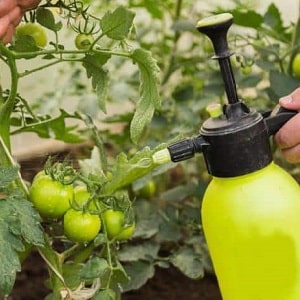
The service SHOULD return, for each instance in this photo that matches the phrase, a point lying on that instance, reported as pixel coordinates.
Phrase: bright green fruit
(296, 65)
(81, 227)
(148, 190)
(34, 30)
(81, 197)
(114, 223)
(83, 41)
(50, 197)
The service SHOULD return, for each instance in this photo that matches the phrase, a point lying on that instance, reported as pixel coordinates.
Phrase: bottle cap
(214, 110)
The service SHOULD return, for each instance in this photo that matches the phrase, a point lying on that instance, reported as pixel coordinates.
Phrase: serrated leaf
(18, 222)
(46, 18)
(139, 272)
(127, 171)
(149, 92)
(188, 262)
(248, 18)
(117, 24)
(7, 175)
(94, 268)
(27, 219)
(94, 68)
(143, 251)
(48, 127)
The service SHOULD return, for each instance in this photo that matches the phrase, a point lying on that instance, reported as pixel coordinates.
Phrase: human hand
(11, 13)
(288, 137)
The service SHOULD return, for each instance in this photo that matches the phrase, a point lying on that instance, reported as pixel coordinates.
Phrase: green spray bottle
(251, 208)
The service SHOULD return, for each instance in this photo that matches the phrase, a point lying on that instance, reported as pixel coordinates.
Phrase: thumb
(291, 101)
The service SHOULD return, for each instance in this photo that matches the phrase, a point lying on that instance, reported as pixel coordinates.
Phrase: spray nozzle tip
(161, 157)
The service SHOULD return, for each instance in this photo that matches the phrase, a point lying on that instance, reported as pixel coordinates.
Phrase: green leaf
(149, 92)
(94, 268)
(273, 19)
(107, 294)
(93, 63)
(188, 262)
(139, 272)
(7, 175)
(18, 222)
(127, 171)
(247, 18)
(282, 84)
(46, 18)
(117, 24)
(26, 43)
(143, 251)
(26, 219)
(48, 127)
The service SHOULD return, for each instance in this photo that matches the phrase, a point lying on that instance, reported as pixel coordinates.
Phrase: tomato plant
(160, 88)
(296, 65)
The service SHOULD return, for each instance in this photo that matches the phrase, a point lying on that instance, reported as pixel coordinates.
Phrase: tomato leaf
(139, 273)
(94, 268)
(94, 69)
(143, 251)
(188, 262)
(117, 24)
(19, 222)
(48, 127)
(45, 17)
(107, 294)
(149, 92)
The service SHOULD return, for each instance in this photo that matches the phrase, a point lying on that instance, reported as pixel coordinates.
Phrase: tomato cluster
(81, 220)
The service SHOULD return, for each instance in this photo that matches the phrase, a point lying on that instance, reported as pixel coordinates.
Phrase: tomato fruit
(81, 227)
(50, 197)
(148, 190)
(114, 223)
(83, 41)
(81, 198)
(126, 233)
(34, 30)
(296, 65)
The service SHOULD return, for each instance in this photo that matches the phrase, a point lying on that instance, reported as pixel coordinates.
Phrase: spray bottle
(251, 209)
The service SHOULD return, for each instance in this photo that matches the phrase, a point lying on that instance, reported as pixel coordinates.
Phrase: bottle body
(252, 227)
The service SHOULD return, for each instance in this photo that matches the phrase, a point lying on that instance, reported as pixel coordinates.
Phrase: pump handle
(276, 118)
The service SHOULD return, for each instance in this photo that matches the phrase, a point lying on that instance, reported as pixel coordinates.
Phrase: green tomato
(148, 190)
(50, 197)
(114, 224)
(34, 30)
(296, 65)
(81, 197)
(246, 70)
(83, 41)
(81, 227)
(126, 233)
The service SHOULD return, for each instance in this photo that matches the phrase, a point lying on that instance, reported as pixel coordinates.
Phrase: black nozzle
(186, 148)
(216, 28)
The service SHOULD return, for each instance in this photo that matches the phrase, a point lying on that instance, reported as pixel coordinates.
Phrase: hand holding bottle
(11, 13)
(288, 137)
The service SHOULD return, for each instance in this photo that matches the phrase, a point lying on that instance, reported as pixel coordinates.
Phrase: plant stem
(171, 63)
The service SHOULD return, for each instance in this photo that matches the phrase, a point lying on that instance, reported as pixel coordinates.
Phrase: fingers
(291, 101)
(288, 137)
(289, 134)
